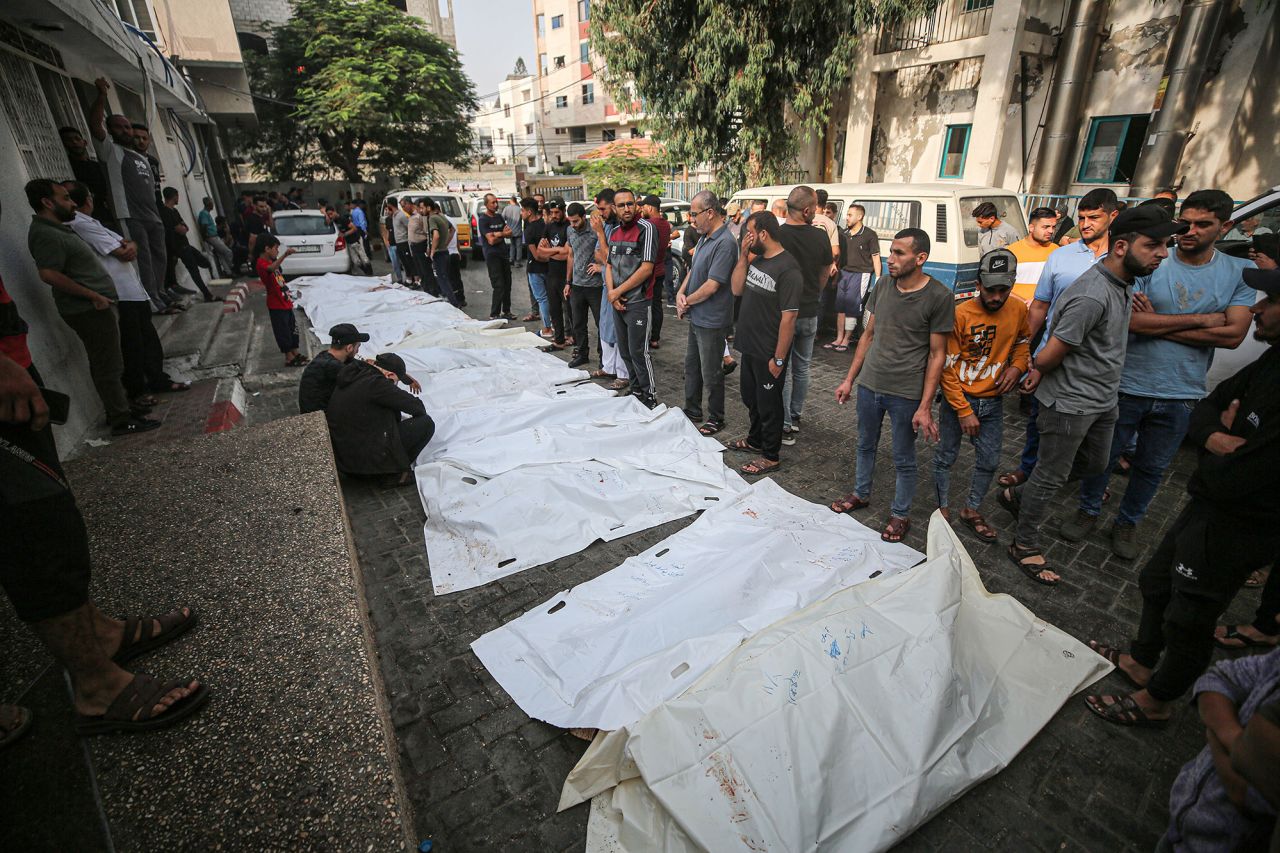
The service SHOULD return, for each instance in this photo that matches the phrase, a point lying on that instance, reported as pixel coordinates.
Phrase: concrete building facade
(50, 54)
(578, 115)
(1055, 98)
(507, 130)
(254, 18)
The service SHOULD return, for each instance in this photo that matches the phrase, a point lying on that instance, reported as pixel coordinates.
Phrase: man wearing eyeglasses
(628, 281)
(706, 297)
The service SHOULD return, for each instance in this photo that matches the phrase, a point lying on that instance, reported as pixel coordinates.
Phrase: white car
(318, 246)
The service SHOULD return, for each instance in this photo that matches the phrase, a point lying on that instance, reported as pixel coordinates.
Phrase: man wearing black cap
(321, 375)
(369, 437)
(1230, 527)
(1076, 376)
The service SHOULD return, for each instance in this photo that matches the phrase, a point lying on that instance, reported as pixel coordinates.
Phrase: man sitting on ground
(369, 438)
(321, 376)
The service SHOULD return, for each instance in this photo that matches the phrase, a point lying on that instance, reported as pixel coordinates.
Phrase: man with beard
(1076, 377)
(1195, 301)
(706, 299)
(628, 282)
(1230, 526)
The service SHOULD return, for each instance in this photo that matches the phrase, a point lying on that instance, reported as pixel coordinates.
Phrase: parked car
(944, 211)
(452, 205)
(319, 246)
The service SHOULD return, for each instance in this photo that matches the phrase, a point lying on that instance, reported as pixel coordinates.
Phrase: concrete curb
(234, 300)
(227, 410)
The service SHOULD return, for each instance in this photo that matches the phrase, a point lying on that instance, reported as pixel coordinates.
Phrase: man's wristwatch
(779, 361)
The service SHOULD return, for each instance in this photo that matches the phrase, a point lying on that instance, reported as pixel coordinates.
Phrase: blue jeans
(871, 411)
(986, 447)
(797, 384)
(538, 285)
(1160, 426)
(1031, 450)
(397, 274)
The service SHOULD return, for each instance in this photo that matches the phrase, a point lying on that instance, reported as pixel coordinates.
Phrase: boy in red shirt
(283, 324)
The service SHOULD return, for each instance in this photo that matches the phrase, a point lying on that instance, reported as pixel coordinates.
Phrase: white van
(943, 210)
(452, 206)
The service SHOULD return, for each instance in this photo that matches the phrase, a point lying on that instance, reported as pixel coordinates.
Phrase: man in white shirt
(139, 344)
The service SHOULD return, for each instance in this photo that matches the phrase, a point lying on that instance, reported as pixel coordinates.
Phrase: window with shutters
(34, 128)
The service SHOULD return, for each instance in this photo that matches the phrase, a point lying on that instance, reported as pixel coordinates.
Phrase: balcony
(953, 20)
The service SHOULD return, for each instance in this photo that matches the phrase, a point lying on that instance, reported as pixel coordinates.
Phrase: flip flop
(743, 445)
(172, 625)
(758, 466)
(848, 503)
(1112, 656)
(977, 525)
(1031, 570)
(711, 427)
(131, 710)
(1246, 642)
(1011, 505)
(1123, 711)
(601, 374)
(842, 348)
(1012, 478)
(895, 530)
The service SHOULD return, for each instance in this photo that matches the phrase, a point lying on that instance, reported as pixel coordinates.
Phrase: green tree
(350, 87)
(625, 168)
(714, 77)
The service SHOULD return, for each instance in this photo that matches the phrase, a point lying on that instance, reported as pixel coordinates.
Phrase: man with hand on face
(1076, 377)
(628, 281)
(321, 375)
(770, 288)
(898, 365)
(987, 353)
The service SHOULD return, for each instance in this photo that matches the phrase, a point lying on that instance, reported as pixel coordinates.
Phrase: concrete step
(228, 351)
(188, 336)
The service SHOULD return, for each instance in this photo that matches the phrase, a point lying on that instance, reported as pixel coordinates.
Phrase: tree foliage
(716, 78)
(350, 87)
(626, 168)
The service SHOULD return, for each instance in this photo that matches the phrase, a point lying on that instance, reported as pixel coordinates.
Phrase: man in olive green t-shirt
(441, 231)
(85, 297)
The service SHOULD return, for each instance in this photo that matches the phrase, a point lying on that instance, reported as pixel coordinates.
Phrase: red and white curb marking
(234, 300)
(228, 406)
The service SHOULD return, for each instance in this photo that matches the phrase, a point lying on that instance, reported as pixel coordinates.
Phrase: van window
(887, 217)
(1007, 208)
(448, 206)
(302, 226)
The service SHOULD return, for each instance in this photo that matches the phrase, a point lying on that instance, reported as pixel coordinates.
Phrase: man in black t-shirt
(811, 249)
(770, 283)
(535, 228)
(554, 246)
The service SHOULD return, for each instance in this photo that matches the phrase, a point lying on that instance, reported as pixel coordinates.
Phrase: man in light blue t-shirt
(1195, 301)
(1096, 210)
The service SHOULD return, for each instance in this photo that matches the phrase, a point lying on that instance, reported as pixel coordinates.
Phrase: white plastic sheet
(507, 503)
(843, 727)
(612, 649)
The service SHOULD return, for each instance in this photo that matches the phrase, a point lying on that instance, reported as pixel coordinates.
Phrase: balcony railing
(953, 20)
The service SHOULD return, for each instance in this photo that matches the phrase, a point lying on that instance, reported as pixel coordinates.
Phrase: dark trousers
(1186, 586)
(422, 263)
(99, 331)
(152, 257)
(455, 277)
(704, 370)
(1269, 606)
(46, 567)
(141, 350)
(633, 346)
(411, 274)
(193, 261)
(583, 300)
(440, 265)
(555, 306)
(285, 328)
(415, 432)
(499, 268)
(656, 308)
(762, 395)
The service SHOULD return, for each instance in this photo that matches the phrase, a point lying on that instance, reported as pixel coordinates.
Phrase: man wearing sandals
(706, 299)
(46, 568)
(898, 365)
(1076, 376)
(770, 287)
(987, 353)
(1230, 527)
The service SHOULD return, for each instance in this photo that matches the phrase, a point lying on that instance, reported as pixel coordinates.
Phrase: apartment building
(255, 17)
(578, 115)
(1049, 97)
(507, 129)
(50, 54)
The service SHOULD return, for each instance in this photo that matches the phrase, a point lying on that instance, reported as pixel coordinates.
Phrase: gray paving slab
(482, 776)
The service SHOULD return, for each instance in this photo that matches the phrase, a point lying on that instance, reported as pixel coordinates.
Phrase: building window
(542, 64)
(955, 145)
(506, 111)
(524, 96)
(528, 130)
(578, 134)
(501, 133)
(562, 101)
(532, 161)
(559, 62)
(584, 10)
(637, 133)
(557, 21)
(542, 25)
(977, 5)
(1112, 148)
(584, 52)
(588, 93)
(561, 131)
(608, 135)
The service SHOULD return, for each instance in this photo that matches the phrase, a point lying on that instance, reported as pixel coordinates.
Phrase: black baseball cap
(1268, 281)
(556, 203)
(1149, 220)
(345, 333)
(653, 201)
(394, 363)
(997, 268)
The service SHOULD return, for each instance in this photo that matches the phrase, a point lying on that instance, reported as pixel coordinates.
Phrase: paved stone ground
(482, 776)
